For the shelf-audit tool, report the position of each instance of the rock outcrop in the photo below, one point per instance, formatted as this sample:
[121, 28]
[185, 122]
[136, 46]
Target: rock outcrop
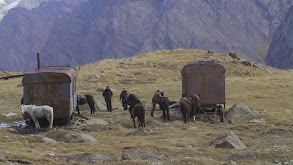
[280, 53]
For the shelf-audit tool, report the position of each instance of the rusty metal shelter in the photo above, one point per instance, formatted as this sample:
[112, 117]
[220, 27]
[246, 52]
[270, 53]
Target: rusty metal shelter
[53, 86]
[207, 79]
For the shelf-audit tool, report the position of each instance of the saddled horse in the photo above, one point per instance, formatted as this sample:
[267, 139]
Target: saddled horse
[36, 112]
[136, 109]
[164, 106]
[195, 105]
[185, 108]
[83, 99]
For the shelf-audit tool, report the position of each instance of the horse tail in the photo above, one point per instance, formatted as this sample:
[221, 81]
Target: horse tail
[52, 117]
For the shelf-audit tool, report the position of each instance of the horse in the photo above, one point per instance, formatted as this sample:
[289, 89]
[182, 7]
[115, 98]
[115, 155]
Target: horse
[136, 109]
[164, 106]
[36, 112]
[89, 99]
[195, 105]
[131, 100]
[185, 108]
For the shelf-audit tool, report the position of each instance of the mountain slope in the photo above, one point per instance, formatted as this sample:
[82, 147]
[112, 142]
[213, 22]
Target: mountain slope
[99, 29]
[280, 54]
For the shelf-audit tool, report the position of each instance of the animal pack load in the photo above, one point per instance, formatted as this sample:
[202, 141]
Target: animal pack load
[206, 79]
[53, 86]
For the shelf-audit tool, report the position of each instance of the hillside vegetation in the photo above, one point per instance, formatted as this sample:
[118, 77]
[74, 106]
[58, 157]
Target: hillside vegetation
[262, 88]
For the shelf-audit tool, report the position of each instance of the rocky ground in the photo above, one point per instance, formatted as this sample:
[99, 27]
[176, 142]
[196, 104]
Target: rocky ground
[259, 106]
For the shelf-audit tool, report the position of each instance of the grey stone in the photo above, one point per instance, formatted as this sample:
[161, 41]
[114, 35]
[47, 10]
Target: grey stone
[139, 132]
[96, 122]
[261, 120]
[287, 110]
[74, 137]
[240, 110]
[101, 89]
[125, 75]
[150, 154]
[94, 76]
[228, 141]
[89, 158]
[48, 140]
[144, 71]
[2, 155]
[100, 104]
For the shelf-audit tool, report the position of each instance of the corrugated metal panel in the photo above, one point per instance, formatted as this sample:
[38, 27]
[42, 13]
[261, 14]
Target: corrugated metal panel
[51, 74]
[53, 86]
[205, 78]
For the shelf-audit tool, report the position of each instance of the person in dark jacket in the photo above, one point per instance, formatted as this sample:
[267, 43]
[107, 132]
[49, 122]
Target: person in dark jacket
[123, 97]
[108, 95]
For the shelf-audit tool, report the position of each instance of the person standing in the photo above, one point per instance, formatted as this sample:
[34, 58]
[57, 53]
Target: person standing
[108, 95]
[123, 97]
[155, 99]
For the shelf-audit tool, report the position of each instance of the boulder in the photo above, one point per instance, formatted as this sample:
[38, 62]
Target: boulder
[228, 141]
[101, 89]
[144, 71]
[48, 140]
[96, 122]
[287, 110]
[150, 154]
[88, 158]
[100, 104]
[94, 76]
[239, 110]
[234, 55]
[74, 137]
[246, 63]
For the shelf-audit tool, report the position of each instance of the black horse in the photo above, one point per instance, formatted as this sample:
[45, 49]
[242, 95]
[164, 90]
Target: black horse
[136, 109]
[164, 106]
[89, 99]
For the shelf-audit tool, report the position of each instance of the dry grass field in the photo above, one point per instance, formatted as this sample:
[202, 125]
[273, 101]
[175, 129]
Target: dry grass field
[261, 89]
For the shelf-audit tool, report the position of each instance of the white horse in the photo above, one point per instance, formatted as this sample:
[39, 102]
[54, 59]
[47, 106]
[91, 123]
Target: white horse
[35, 112]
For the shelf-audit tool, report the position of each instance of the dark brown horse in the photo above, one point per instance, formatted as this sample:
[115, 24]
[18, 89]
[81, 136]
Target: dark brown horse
[136, 109]
[83, 99]
[195, 106]
[164, 106]
[185, 108]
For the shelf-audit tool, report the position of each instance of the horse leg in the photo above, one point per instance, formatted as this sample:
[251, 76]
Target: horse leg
[36, 122]
[48, 117]
[164, 114]
[184, 115]
[168, 116]
[77, 108]
[133, 122]
[138, 120]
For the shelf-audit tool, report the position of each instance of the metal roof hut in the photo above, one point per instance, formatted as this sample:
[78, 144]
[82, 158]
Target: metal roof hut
[207, 79]
[53, 86]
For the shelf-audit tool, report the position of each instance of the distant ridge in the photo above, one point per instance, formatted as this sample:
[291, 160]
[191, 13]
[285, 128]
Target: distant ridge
[79, 32]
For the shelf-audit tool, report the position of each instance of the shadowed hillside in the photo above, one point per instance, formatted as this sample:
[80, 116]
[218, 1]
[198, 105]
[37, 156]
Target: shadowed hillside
[262, 88]
[79, 32]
